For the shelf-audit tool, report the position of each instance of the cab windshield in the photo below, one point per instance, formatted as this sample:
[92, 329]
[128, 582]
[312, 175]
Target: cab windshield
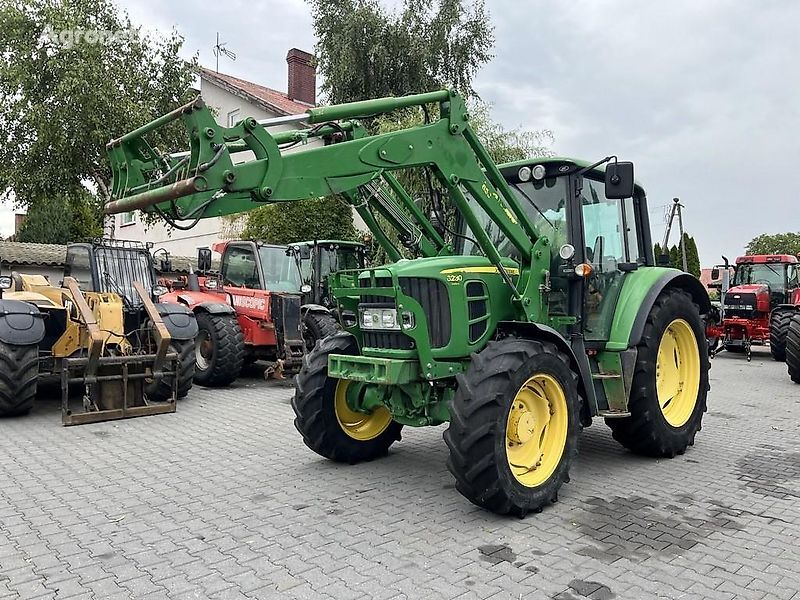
[772, 275]
[279, 270]
[545, 204]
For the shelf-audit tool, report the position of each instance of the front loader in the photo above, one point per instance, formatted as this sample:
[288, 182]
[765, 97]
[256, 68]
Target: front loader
[90, 341]
[538, 308]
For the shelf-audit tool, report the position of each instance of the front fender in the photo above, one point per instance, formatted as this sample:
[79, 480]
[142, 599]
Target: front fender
[639, 292]
[578, 361]
[179, 320]
[21, 323]
[315, 308]
[215, 308]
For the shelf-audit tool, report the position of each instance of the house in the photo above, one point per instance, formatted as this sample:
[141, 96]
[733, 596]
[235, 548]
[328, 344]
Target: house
[33, 259]
[232, 99]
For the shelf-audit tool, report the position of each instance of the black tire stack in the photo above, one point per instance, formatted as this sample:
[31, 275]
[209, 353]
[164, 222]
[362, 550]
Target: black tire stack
[793, 348]
[778, 328]
[227, 349]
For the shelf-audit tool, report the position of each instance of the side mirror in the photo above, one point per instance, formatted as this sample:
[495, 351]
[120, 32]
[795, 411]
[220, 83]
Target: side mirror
[662, 260]
[166, 265]
[203, 259]
[715, 273]
[619, 180]
[305, 252]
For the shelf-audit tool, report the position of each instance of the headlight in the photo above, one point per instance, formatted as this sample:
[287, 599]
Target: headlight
[211, 284]
[385, 318]
[305, 289]
[159, 290]
[6, 283]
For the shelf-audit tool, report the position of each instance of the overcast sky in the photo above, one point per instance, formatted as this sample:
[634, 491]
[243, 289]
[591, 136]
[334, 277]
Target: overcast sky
[704, 96]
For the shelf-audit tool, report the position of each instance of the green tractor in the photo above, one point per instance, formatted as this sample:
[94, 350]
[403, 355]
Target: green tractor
[533, 310]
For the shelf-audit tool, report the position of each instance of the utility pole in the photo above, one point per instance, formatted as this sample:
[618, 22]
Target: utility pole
[676, 210]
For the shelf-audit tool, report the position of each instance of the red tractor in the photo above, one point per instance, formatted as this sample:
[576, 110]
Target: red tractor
[758, 305]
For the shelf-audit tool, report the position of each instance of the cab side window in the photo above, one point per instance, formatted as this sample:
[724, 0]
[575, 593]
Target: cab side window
[792, 277]
[78, 266]
[239, 268]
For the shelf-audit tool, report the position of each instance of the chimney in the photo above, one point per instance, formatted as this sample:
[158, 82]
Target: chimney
[302, 77]
[19, 219]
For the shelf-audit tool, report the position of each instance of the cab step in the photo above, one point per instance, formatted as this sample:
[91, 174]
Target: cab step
[613, 414]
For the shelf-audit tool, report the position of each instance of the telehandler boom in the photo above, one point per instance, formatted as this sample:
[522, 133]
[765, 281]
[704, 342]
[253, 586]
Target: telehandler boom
[540, 308]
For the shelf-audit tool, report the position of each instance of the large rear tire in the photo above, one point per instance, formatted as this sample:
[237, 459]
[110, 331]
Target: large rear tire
[219, 349]
[670, 381]
[318, 326]
[793, 348]
[778, 326]
[161, 390]
[19, 371]
[514, 426]
[323, 418]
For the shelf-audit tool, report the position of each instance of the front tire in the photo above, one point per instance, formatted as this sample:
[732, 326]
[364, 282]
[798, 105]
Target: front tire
[670, 381]
[161, 390]
[793, 348]
[323, 418]
[219, 349]
[778, 327]
[19, 371]
[514, 426]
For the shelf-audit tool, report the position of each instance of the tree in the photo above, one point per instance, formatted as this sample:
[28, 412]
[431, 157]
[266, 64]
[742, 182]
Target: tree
[60, 220]
[778, 243]
[282, 223]
[675, 257]
[73, 75]
[365, 51]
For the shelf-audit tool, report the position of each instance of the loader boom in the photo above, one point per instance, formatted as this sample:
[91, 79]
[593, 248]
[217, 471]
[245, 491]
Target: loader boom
[205, 182]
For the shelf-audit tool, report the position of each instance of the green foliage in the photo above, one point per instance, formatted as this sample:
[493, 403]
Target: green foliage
[778, 243]
[675, 257]
[60, 220]
[282, 223]
[64, 94]
[366, 51]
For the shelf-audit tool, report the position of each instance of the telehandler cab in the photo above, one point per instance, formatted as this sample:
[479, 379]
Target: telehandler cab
[541, 309]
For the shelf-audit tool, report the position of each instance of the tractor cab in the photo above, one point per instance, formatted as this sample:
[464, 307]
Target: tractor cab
[264, 284]
[769, 280]
[598, 234]
[318, 259]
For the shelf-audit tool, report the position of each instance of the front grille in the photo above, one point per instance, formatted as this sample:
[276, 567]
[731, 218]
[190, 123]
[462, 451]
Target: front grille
[432, 297]
[285, 311]
[740, 305]
[392, 340]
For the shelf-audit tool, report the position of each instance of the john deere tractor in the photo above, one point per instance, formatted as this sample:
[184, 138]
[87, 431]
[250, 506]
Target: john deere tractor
[99, 333]
[533, 305]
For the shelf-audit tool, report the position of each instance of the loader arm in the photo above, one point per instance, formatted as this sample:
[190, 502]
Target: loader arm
[205, 181]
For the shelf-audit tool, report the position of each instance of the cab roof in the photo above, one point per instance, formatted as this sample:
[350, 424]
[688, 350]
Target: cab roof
[767, 258]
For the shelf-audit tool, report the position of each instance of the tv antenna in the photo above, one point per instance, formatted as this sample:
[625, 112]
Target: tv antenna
[220, 48]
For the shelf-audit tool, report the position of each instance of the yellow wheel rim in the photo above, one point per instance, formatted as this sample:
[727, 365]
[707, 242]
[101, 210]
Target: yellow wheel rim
[359, 426]
[536, 430]
[678, 372]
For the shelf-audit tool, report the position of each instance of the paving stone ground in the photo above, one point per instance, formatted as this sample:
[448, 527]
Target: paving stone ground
[222, 500]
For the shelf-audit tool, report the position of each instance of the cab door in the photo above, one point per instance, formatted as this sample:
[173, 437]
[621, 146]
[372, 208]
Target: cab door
[612, 246]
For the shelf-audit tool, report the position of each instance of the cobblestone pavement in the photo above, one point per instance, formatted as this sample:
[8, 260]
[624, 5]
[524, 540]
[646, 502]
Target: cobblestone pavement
[222, 500]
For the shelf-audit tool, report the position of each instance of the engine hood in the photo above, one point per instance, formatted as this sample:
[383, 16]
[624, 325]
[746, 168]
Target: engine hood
[750, 288]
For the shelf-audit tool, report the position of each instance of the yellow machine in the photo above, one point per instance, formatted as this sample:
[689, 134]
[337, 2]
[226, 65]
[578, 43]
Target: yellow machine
[81, 338]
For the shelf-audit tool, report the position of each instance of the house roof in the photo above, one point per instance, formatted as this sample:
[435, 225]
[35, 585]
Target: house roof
[26, 253]
[266, 98]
